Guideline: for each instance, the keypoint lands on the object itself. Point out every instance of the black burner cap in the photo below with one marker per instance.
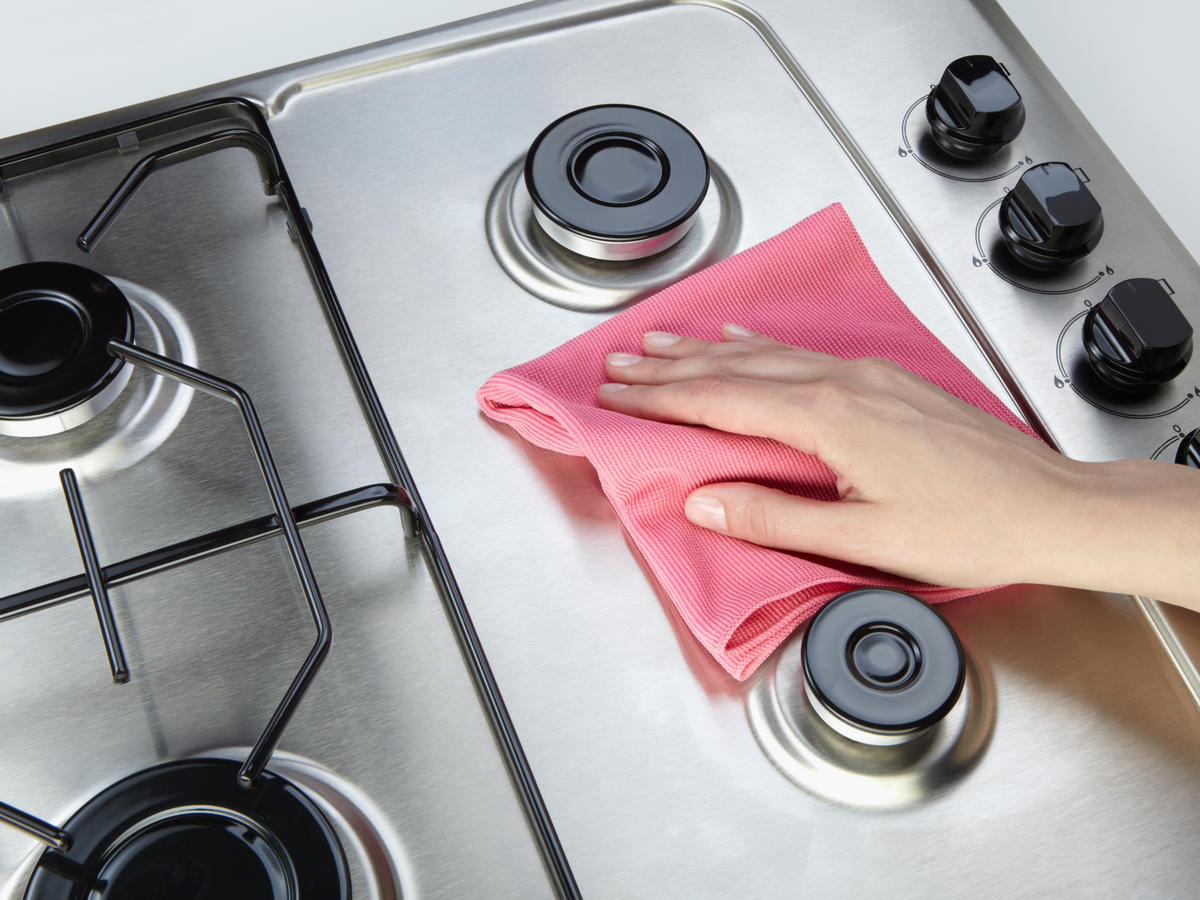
(616, 172)
(883, 660)
(56, 320)
(185, 830)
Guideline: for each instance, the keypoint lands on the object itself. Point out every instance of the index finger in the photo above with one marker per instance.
(782, 412)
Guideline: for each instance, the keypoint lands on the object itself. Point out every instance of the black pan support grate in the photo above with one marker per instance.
(401, 493)
(284, 522)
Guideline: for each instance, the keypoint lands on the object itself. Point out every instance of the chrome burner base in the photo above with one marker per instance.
(558, 276)
(812, 755)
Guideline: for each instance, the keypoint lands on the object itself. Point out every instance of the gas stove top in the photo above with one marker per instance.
(346, 249)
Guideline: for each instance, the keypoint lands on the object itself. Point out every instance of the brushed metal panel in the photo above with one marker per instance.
(213, 645)
(639, 740)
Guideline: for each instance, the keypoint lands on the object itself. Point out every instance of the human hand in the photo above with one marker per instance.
(932, 488)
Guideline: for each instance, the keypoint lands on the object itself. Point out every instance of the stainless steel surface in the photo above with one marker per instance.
(640, 742)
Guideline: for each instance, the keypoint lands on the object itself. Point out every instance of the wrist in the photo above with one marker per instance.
(1130, 526)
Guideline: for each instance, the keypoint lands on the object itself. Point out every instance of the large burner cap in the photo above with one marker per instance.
(185, 829)
(616, 182)
(883, 663)
(56, 320)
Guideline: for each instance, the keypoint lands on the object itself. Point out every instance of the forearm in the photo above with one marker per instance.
(1134, 529)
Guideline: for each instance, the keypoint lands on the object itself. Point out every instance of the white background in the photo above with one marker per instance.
(1129, 64)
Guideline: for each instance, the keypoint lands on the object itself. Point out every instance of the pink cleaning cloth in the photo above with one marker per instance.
(814, 286)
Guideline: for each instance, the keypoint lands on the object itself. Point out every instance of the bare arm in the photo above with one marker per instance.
(932, 488)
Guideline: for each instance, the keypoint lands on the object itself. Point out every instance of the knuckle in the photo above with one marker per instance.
(744, 362)
(879, 371)
(832, 394)
(752, 519)
(703, 394)
(705, 387)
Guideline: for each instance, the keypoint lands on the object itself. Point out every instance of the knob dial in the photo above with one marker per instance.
(1050, 219)
(1136, 338)
(1188, 453)
(974, 111)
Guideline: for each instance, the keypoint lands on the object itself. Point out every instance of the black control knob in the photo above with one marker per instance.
(1188, 453)
(1050, 219)
(974, 111)
(1136, 337)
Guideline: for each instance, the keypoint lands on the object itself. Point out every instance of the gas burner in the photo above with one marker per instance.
(145, 414)
(56, 373)
(547, 271)
(616, 182)
(185, 829)
(876, 706)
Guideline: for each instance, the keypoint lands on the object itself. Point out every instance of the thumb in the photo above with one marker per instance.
(761, 515)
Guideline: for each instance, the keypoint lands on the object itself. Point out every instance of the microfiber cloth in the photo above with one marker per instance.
(814, 286)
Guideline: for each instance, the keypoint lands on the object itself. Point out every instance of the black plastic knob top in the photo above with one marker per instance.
(883, 662)
(1136, 337)
(1188, 453)
(1050, 219)
(974, 111)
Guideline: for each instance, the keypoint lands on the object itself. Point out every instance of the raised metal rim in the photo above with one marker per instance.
(73, 417)
(613, 251)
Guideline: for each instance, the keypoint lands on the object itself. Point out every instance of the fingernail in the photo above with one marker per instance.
(660, 339)
(736, 331)
(705, 511)
(611, 388)
(623, 359)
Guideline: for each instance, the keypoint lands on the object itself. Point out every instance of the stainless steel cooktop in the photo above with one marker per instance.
(510, 708)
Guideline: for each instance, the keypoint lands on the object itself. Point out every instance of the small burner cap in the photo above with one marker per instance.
(616, 182)
(883, 661)
(177, 855)
(185, 829)
(56, 320)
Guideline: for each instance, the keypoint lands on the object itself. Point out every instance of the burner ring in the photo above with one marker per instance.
(56, 320)
(186, 829)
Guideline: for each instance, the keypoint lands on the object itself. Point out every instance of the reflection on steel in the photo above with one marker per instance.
(90, 237)
(34, 827)
(226, 390)
(95, 577)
